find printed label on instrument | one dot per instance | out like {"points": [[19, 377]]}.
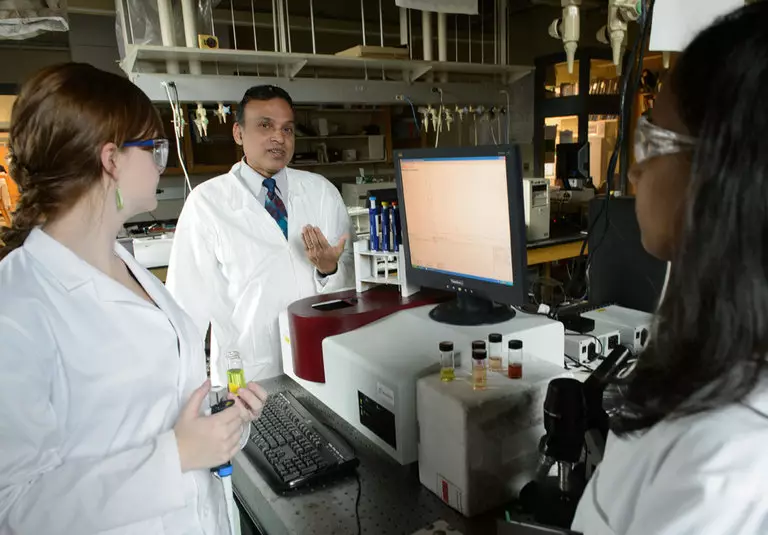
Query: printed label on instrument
{"points": [[385, 394], [449, 493]]}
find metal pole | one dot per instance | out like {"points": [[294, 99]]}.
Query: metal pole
{"points": [[410, 33], [274, 23], [456, 42], [232, 13], [255, 42], [288, 26], [482, 34], [362, 19], [403, 25], [381, 26], [495, 31], [312, 23], [469, 19], [253, 19]]}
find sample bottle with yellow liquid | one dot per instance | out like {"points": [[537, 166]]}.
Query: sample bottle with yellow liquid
{"points": [[447, 364], [235, 373]]}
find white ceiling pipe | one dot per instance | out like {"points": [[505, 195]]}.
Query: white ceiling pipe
{"points": [[189, 14], [166, 32], [426, 34]]}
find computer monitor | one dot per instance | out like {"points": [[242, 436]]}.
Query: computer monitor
{"points": [[463, 229]]}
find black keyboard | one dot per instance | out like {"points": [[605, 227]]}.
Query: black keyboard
{"points": [[291, 448]]}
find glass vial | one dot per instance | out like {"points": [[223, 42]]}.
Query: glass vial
{"points": [[494, 353], [515, 360], [235, 373], [479, 372], [478, 344], [447, 364]]}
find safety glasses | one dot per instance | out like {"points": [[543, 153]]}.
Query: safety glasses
{"points": [[652, 141], [159, 149]]}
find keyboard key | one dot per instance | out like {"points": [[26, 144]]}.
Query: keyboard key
{"points": [[290, 476], [307, 470], [272, 442]]}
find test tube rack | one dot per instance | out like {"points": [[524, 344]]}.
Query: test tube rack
{"points": [[373, 268]]}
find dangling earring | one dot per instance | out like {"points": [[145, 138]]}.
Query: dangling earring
{"points": [[119, 199]]}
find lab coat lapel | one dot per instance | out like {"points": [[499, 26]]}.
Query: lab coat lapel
{"points": [[252, 204], [73, 272]]}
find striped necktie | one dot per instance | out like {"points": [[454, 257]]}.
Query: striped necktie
{"points": [[274, 205]]}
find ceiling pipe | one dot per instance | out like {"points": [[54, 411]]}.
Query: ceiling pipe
{"points": [[166, 32], [189, 15], [426, 34]]}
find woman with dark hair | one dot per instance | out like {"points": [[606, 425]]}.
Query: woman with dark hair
{"points": [[102, 427], [689, 449]]}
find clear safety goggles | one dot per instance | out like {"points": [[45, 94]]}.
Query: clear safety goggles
{"points": [[652, 141], [159, 149]]}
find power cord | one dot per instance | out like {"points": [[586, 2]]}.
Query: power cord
{"points": [[633, 73]]}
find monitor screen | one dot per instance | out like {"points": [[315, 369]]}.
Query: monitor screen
{"points": [[463, 223], [458, 216]]}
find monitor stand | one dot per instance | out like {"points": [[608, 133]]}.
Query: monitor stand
{"points": [[467, 310]]}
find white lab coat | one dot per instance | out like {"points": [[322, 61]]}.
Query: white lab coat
{"points": [[93, 378], [702, 475], [231, 266]]}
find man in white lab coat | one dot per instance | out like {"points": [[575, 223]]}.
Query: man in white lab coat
{"points": [[250, 242]]}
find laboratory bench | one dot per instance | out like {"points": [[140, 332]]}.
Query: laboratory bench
{"points": [[541, 252], [392, 499]]}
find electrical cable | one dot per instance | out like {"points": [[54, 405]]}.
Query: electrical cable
{"points": [[600, 352], [178, 129], [579, 364], [415, 117], [632, 73]]}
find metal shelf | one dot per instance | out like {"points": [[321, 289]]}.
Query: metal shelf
{"points": [[322, 138], [356, 162], [293, 63]]}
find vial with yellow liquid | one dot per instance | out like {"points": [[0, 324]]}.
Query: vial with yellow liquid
{"points": [[479, 370], [235, 373], [447, 364]]}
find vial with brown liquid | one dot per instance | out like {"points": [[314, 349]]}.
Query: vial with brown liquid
{"points": [[515, 360], [479, 371]]}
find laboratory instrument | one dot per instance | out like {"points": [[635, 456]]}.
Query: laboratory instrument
{"points": [[634, 326], [373, 221], [515, 359], [386, 228], [495, 358], [292, 448], [566, 29], [465, 237], [479, 369], [361, 352], [218, 401], [235, 373], [617, 255], [609, 336], [478, 448], [537, 208], [447, 363], [576, 424]]}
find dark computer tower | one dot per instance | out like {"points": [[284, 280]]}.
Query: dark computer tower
{"points": [[621, 272]]}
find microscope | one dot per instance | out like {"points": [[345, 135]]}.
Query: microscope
{"points": [[576, 425]]}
